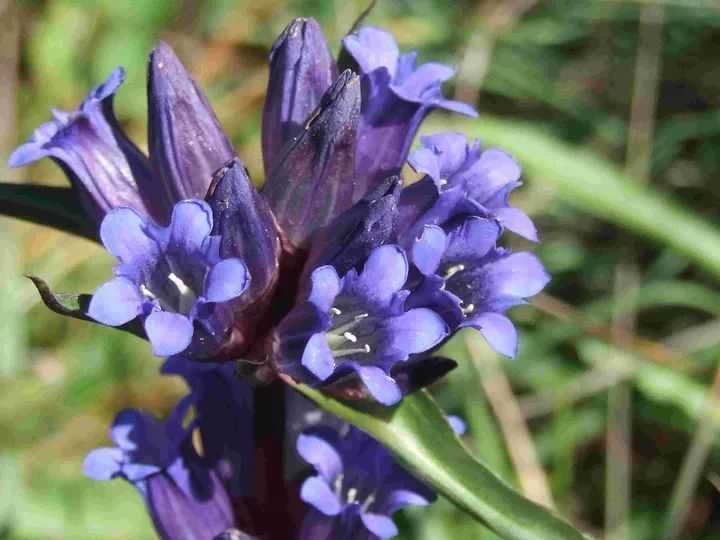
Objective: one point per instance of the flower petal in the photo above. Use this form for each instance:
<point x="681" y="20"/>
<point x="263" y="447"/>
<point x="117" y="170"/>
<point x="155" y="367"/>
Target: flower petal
<point x="379" y="525"/>
<point x="380" y="385"/>
<point x="428" y="250"/>
<point x="325" y="287"/>
<point x="518" y="222"/>
<point x="169" y="333"/>
<point x="384" y="274"/>
<point x="103" y="463"/>
<point x="316" y="492"/>
<point x="320" y="453"/>
<point x="116" y="302"/>
<point x="127" y="235"/>
<point x="415" y="331"/>
<point x="226" y="280"/>
<point x="499" y="331"/>
<point x="373" y="48"/>
<point x="192" y="221"/>
<point x="318" y="357"/>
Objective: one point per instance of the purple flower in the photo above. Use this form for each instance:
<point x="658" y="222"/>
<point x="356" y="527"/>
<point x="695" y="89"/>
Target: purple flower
<point x="173" y="278"/>
<point x="397" y="95"/>
<point x="358" y="486"/>
<point x="185" y="499"/>
<point x="485" y="280"/>
<point x="358" y="323"/>
<point x="223" y="405"/>
<point x="106" y="169"/>
<point x="461" y="180"/>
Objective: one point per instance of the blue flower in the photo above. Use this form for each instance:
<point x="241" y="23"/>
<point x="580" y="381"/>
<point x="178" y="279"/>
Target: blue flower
<point x="358" y="323"/>
<point x="173" y="278"/>
<point x="397" y="95"/>
<point x="484" y="280"/>
<point x="462" y="179"/>
<point x="358" y="485"/>
<point x="223" y="405"/>
<point x="185" y="499"/>
<point x="108" y="171"/>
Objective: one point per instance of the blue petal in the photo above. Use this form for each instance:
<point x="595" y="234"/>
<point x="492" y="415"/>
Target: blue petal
<point x="325" y="287"/>
<point x="317" y="493"/>
<point x="379" y="525"/>
<point x="318" y="358"/>
<point x="457" y="424"/>
<point x="226" y="280"/>
<point x="499" y="332"/>
<point x="384" y="274"/>
<point x="127" y="235"/>
<point x="380" y="385"/>
<point x="103" y="463"/>
<point x="192" y="221"/>
<point x="116" y="302"/>
<point x="520" y="274"/>
<point x="415" y="331"/>
<point x="169" y="333"/>
<point x="373" y="49"/>
<point x="518" y="222"/>
<point x="320" y="454"/>
<point x="428" y="250"/>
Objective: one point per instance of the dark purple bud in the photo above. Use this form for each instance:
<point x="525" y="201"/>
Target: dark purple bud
<point x="301" y="70"/>
<point x="186" y="141"/>
<point x="243" y="220"/>
<point x="106" y="169"/>
<point x="314" y="180"/>
<point x="348" y="240"/>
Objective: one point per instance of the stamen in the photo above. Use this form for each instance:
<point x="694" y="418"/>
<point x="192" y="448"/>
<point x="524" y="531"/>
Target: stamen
<point x="335" y="311"/>
<point x="368" y="502"/>
<point x="454" y="270"/>
<point x="467" y="310"/>
<point x="348" y="352"/>
<point x="350" y="337"/>
<point x="351" y="494"/>
<point x="339" y="330"/>
<point x="184" y="289"/>
<point x="443" y="182"/>
<point x="337" y="484"/>
<point x="147" y="292"/>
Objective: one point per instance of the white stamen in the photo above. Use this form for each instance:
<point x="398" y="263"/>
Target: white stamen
<point x="443" y="182"/>
<point x="147" y="292"/>
<point x="348" y="352"/>
<point x="350" y="337"/>
<point x="184" y="289"/>
<point x="454" y="270"/>
<point x="335" y="311"/>
<point x="468" y="309"/>
<point x="351" y="494"/>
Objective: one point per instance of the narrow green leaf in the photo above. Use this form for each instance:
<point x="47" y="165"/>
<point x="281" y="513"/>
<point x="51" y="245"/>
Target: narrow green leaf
<point x="417" y="432"/>
<point x="75" y="306"/>
<point x="591" y="183"/>
<point x="51" y="206"/>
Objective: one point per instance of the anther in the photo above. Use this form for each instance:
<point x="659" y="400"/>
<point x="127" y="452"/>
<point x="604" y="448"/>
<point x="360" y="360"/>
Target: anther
<point x="454" y="270"/>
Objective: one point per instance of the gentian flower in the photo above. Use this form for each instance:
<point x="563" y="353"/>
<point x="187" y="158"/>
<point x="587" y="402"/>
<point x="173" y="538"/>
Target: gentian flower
<point x="461" y="179"/>
<point x="108" y="171"/>
<point x="173" y="278"/>
<point x="185" y="500"/>
<point x="397" y="95"/>
<point x="358" y="486"/>
<point x="485" y="280"/>
<point x="224" y="418"/>
<point x="358" y="323"/>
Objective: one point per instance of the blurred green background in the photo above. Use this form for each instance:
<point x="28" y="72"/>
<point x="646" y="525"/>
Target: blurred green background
<point x="609" y="414"/>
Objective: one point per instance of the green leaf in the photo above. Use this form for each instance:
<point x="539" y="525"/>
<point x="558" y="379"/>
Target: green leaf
<point x="417" y="432"/>
<point x="591" y="183"/>
<point x="76" y="305"/>
<point x="51" y="206"/>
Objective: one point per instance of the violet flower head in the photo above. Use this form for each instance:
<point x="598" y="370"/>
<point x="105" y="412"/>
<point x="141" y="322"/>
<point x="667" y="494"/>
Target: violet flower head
<point x="397" y="95"/>
<point x="358" y="486"/>
<point x="172" y="278"/>
<point x="358" y="323"/>
<point x="465" y="173"/>
<point x="185" y="500"/>
<point x="106" y="169"/>
<point x="485" y="280"/>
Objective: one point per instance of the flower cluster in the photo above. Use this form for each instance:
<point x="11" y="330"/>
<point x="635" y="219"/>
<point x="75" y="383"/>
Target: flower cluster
<point x="333" y="274"/>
